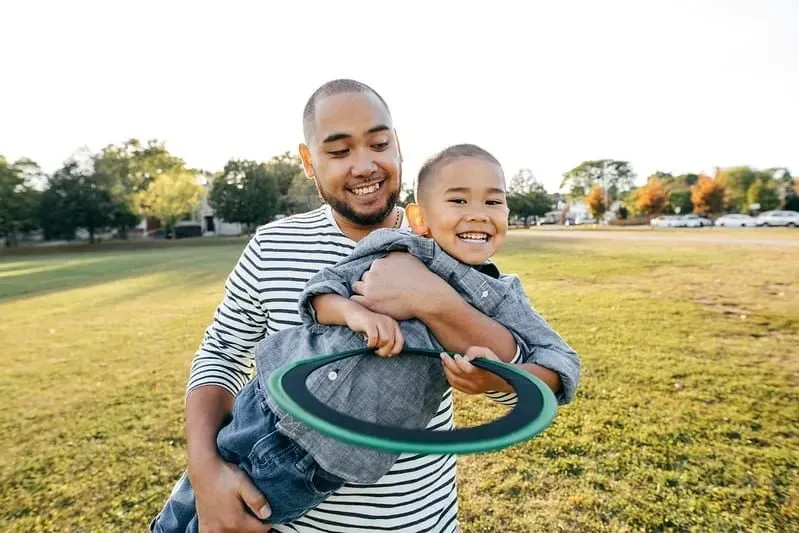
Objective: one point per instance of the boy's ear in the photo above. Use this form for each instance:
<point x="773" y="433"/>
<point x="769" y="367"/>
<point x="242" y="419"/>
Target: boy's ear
<point x="307" y="164"/>
<point x="416" y="219"/>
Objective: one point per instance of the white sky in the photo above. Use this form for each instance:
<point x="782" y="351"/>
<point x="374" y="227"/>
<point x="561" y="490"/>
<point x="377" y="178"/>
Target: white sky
<point x="676" y="86"/>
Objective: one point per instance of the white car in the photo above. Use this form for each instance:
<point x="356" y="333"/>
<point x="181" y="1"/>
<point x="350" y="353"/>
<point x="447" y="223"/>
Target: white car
<point x="666" y="221"/>
<point x="695" y="221"/>
<point x="736" y="221"/>
<point x="779" y="218"/>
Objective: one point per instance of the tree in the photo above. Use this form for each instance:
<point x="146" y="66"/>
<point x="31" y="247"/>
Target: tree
<point x="680" y="201"/>
<point x="303" y="195"/>
<point x="737" y="181"/>
<point x="74" y="199"/>
<point x="709" y="196"/>
<point x="126" y="170"/>
<point x="596" y="201"/>
<point x="246" y="192"/>
<point x="407" y="196"/>
<point x="764" y="193"/>
<point x="284" y="167"/>
<point x="169" y="196"/>
<point x="18" y="198"/>
<point x="615" y="177"/>
<point x="527" y="197"/>
<point x="652" y="198"/>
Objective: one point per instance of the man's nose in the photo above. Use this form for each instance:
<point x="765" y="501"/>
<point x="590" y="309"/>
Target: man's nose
<point x="364" y="164"/>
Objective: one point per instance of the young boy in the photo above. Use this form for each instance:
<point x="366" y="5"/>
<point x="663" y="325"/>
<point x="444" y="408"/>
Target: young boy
<point x="460" y="221"/>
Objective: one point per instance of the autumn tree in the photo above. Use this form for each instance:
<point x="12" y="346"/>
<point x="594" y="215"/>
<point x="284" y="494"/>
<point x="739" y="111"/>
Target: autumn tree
<point x="596" y="201"/>
<point x="708" y="196"/>
<point x="652" y="198"/>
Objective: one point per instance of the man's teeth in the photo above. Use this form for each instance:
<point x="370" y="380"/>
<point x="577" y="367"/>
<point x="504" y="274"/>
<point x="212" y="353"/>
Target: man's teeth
<point x="481" y="237"/>
<point x="366" y="190"/>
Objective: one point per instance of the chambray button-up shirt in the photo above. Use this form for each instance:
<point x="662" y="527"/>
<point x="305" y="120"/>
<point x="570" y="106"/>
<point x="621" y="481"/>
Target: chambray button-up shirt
<point x="402" y="391"/>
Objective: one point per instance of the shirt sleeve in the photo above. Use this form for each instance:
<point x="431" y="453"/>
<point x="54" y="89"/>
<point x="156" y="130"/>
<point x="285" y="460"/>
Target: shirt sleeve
<point x="537" y="340"/>
<point x="225" y="357"/>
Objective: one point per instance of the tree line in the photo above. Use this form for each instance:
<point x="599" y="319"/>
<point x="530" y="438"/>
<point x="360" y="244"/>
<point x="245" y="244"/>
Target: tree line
<point x="118" y="186"/>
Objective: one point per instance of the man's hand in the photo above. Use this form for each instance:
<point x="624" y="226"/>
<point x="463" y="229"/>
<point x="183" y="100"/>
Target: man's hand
<point x="382" y="332"/>
<point x="397" y="285"/>
<point x="223" y="494"/>
<point x="466" y="377"/>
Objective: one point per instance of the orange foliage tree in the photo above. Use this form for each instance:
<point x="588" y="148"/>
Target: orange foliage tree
<point x="709" y="196"/>
<point x="596" y="201"/>
<point x="652" y="198"/>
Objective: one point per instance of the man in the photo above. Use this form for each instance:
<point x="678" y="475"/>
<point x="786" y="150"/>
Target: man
<point x="352" y="153"/>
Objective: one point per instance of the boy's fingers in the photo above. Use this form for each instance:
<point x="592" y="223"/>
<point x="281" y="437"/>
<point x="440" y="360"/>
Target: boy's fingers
<point x="464" y="365"/>
<point x="399" y="340"/>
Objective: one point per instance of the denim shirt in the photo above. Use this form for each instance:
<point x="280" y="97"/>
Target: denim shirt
<point x="402" y="391"/>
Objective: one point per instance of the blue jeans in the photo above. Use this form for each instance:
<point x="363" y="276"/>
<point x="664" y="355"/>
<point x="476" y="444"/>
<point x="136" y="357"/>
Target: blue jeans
<point x="287" y="475"/>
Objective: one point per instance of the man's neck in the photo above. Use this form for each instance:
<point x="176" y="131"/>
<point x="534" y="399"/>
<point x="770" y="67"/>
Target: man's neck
<point x="356" y="232"/>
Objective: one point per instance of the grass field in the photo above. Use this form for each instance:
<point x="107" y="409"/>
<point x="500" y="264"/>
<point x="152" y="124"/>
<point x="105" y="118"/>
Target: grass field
<point x="687" y="417"/>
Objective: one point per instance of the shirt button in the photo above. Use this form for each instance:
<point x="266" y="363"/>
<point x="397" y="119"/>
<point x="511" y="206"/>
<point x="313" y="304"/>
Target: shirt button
<point x="332" y="375"/>
<point x="485" y="293"/>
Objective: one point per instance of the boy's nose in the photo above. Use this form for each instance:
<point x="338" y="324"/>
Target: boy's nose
<point x="477" y="216"/>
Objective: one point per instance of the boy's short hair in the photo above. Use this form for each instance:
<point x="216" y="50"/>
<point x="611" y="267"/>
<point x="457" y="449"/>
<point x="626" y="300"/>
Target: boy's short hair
<point x="330" y="88"/>
<point x="447" y="155"/>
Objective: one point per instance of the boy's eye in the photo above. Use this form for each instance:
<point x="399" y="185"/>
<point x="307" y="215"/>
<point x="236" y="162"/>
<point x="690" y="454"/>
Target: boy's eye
<point x="458" y="201"/>
<point x="495" y="202"/>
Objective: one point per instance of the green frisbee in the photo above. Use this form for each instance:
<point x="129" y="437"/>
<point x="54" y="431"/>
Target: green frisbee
<point x="534" y="411"/>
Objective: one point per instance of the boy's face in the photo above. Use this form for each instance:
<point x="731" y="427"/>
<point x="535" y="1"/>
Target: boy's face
<point x="464" y="209"/>
<point x="354" y="157"/>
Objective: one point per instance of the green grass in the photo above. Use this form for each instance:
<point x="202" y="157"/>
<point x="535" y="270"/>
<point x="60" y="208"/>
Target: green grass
<point x="687" y="417"/>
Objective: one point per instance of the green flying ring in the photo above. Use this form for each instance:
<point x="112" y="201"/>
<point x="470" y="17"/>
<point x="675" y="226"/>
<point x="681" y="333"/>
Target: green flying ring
<point x="535" y="409"/>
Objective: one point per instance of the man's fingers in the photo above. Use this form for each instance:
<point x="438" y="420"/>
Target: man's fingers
<point x="253" y="498"/>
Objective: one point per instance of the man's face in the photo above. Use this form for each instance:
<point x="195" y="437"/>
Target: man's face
<point x="465" y="210"/>
<point x="354" y="157"/>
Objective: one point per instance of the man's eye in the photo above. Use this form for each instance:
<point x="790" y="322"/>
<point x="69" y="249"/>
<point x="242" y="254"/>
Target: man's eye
<point x="339" y="153"/>
<point x="380" y="146"/>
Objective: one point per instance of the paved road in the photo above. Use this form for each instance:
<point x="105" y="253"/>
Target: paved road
<point x="748" y="237"/>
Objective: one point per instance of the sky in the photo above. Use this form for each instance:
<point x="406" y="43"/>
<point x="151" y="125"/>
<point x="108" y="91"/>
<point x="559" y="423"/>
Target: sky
<point x="676" y="86"/>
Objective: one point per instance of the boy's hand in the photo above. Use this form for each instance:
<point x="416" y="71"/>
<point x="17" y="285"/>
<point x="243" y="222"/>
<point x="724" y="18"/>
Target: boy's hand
<point x="466" y="377"/>
<point x="381" y="331"/>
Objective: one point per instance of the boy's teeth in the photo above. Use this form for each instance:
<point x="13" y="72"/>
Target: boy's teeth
<point x="474" y="236"/>
<point x="366" y="190"/>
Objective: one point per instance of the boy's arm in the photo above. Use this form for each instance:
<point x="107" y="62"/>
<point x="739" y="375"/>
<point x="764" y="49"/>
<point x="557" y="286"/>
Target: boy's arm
<point x="332" y="309"/>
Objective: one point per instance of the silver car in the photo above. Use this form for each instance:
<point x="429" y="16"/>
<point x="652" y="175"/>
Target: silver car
<point x="736" y="221"/>
<point x="779" y="218"/>
<point x="695" y="221"/>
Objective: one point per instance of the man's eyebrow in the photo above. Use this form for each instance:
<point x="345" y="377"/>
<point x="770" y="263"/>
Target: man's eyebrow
<point x="380" y="127"/>
<point x="339" y="136"/>
<point x="336" y="137"/>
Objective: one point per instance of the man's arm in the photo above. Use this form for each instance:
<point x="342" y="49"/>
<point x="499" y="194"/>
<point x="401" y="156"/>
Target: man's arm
<point x="220" y="368"/>
<point x="402" y="287"/>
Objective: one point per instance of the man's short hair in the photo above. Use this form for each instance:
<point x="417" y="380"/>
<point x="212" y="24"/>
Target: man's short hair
<point x="448" y="155"/>
<point x="328" y="89"/>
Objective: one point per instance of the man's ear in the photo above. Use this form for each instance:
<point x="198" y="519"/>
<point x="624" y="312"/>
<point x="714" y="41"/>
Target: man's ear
<point x="307" y="163"/>
<point x="416" y="219"/>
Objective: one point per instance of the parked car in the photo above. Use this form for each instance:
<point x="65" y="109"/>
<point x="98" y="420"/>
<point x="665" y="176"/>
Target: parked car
<point x="666" y="221"/>
<point x="778" y="218"/>
<point x="736" y="221"/>
<point x="695" y="221"/>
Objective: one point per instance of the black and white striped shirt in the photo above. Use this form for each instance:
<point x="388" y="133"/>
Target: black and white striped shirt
<point x="261" y="294"/>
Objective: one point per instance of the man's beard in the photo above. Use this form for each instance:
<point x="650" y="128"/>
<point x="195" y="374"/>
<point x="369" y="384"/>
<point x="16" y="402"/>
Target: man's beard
<point x="344" y="209"/>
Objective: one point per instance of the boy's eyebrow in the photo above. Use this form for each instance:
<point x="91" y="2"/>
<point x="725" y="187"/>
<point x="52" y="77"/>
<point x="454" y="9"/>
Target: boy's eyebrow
<point x="494" y="190"/>
<point x="339" y="136"/>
